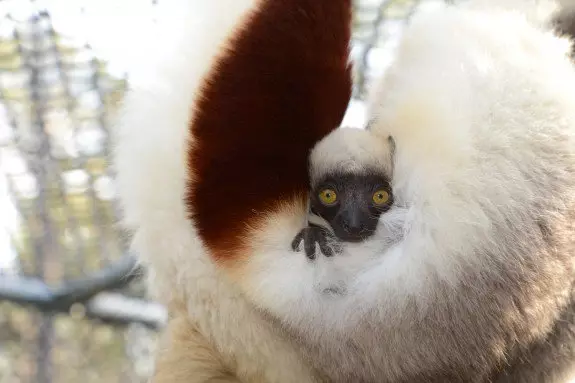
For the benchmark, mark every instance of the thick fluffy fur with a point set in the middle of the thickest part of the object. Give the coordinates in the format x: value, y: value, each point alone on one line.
x: 350, y: 150
x: 480, y: 102
x: 283, y: 84
x: 214, y: 333
x: 240, y: 93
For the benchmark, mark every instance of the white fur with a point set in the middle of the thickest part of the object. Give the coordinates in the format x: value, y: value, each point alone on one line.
x: 454, y: 98
x: 537, y: 12
x: 480, y: 102
x: 468, y: 85
x: 150, y: 159
x: 349, y: 150
x: 510, y: 86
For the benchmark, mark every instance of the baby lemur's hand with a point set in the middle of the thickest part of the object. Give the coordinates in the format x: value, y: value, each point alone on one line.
x: 315, y: 234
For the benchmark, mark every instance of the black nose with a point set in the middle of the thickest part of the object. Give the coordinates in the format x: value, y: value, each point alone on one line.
x: 352, y: 223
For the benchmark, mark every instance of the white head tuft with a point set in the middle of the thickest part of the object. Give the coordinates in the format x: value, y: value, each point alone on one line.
x: 350, y: 150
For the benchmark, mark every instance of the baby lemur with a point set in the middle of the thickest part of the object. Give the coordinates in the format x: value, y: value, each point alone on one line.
x: 350, y: 189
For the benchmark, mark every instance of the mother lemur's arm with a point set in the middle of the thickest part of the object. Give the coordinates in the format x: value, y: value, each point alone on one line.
x: 283, y: 83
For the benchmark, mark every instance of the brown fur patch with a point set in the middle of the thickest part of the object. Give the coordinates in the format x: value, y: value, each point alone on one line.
x: 283, y: 84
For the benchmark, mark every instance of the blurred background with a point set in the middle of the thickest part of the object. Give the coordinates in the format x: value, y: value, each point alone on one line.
x: 71, y: 306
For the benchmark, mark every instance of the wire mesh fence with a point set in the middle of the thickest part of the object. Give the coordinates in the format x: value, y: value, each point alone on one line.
x: 67, y: 310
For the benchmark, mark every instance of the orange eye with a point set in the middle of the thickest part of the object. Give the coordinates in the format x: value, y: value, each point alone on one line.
x: 380, y: 197
x: 327, y: 197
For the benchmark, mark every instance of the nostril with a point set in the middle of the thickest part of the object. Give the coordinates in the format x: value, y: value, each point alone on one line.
x: 352, y: 227
x: 352, y: 222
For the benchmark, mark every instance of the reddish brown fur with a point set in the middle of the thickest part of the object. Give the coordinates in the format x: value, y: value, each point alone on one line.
x: 283, y: 85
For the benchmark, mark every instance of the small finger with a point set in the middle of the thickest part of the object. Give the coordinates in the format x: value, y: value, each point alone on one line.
x: 323, y: 245
x: 309, y: 245
x: 296, y: 243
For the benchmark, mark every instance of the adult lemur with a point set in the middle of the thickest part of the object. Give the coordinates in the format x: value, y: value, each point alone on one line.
x: 212, y: 157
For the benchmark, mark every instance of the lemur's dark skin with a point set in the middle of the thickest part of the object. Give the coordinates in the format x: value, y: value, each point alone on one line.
x: 311, y: 235
x: 353, y: 217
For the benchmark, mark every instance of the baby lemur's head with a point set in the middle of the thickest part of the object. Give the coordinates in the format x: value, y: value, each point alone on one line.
x: 351, y: 172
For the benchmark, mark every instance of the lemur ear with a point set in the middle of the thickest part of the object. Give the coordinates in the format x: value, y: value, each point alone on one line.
x: 282, y: 84
x: 564, y: 24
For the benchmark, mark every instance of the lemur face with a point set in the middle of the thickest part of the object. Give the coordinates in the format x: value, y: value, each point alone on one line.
x: 352, y: 203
